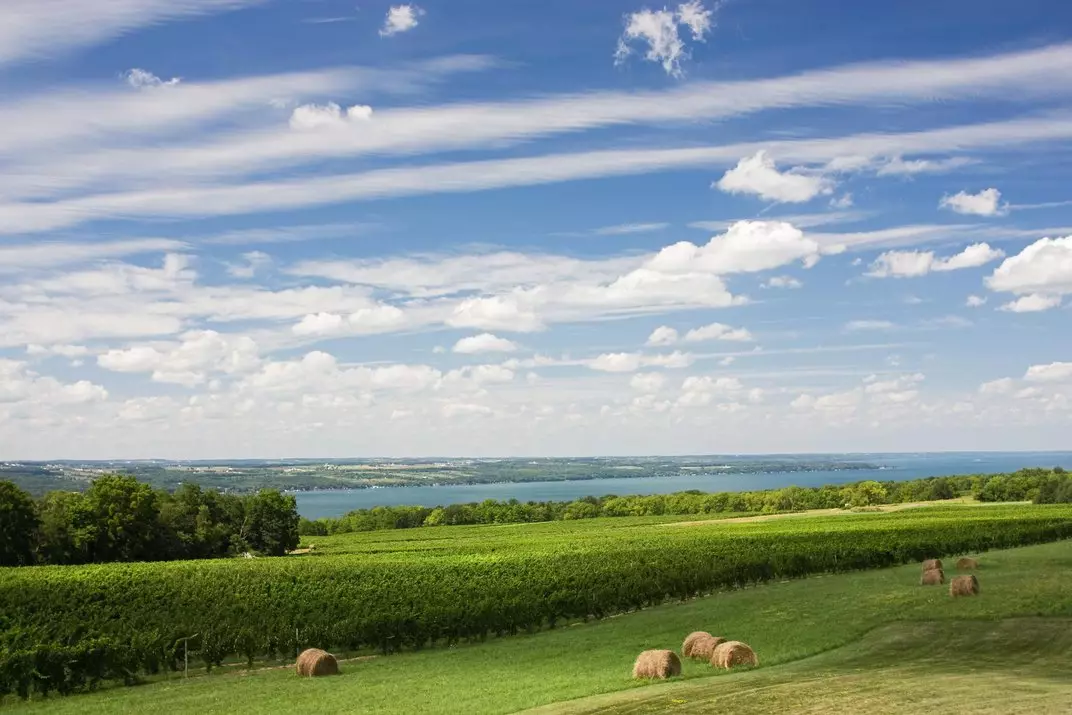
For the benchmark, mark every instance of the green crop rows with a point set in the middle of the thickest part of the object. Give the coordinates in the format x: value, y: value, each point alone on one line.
x: 67, y: 628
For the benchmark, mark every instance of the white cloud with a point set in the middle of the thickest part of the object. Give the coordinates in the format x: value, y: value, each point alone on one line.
x: 1041, y: 272
x: 758, y: 175
x: 857, y: 325
x: 985, y: 203
x: 663, y: 335
x: 897, y: 166
x: 38, y: 29
x: 68, y: 351
x: 1032, y: 303
x: 48, y: 254
x: 782, y: 282
x: 658, y: 29
x: 142, y: 79
x: 1001, y: 386
x: 484, y: 343
x: 631, y: 362
x: 367, y: 320
x: 975, y: 301
x: 318, y: 116
x: 718, y: 331
x: 629, y: 228
x: 400, y: 18
x: 904, y: 264
x: 746, y: 247
x: 701, y: 391
x: 647, y: 381
x: 842, y: 202
x: 255, y: 261
x: 1053, y: 372
x: 198, y: 354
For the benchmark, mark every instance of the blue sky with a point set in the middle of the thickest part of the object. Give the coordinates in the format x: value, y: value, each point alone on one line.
x: 263, y: 228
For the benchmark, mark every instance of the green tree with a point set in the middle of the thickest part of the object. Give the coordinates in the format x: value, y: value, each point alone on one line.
x: 120, y: 521
x: 271, y: 523
x: 18, y: 526
x: 865, y: 494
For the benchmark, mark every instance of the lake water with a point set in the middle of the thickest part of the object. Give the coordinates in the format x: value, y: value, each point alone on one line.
x: 320, y: 504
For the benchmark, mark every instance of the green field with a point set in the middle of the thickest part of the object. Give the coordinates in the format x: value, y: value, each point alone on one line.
x: 870, y: 640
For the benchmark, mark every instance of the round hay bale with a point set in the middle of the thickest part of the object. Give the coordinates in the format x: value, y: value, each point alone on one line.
x: 700, y: 645
x: 967, y: 564
x: 657, y: 664
x: 964, y: 586
x: 932, y: 564
x: 313, y: 663
x: 933, y: 577
x: 690, y: 640
x: 731, y: 653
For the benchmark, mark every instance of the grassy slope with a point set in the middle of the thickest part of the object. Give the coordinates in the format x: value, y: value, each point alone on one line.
x: 783, y: 621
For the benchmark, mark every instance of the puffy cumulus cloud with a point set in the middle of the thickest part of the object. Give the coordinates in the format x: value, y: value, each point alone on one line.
x: 21, y: 386
x: 1053, y: 372
x: 759, y: 176
x: 399, y: 19
x: 782, y: 282
x: 984, y: 203
x: 374, y: 319
x: 484, y: 343
x: 718, y: 331
x: 189, y: 362
x: 975, y: 301
x: 648, y: 381
x: 1041, y: 272
x: 308, y: 117
x: 318, y: 372
x: 658, y: 31
x: 631, y: 362
x: 143, y: 79
x: 1033, y: 303
x: 1001, y: 386
x: 515, y: 312
x: 254, y: 262
x: 746, y: 247
x: 663, y: 335
x: 897, y: 390
x: 478, y: 375
x: 701, y: 391
x: 908, y: 264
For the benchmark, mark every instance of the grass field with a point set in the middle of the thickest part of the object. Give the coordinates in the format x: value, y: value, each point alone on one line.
x: 871, y: 640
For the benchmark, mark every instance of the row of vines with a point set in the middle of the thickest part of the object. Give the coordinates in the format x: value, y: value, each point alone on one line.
x: 64, y: 629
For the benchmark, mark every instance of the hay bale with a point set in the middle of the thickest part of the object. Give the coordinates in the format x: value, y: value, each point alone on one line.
x: 657, y: 664
x: 700, y: 645
x: 933, y: 577
x: 964, y: 586
x: 313, y: 663
x: 731, y: 653
x: 967, y: 564
x: 930, y: 564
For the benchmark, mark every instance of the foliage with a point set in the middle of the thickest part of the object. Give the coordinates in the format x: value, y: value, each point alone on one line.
x: 18, y: 526
x: 395, y: 590
x: 121, y: 519
x: 1020, y: 486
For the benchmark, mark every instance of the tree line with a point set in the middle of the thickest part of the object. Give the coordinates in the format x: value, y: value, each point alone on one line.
x: 1042, y: 486
x: 121, y: 519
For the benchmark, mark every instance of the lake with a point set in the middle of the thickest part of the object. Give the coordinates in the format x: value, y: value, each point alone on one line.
x: 332, y: 503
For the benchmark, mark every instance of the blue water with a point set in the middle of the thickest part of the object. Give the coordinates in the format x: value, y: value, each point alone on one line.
x: 320, y: 504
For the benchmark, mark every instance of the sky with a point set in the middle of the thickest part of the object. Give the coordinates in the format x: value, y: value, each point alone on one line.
x: 309, y: 228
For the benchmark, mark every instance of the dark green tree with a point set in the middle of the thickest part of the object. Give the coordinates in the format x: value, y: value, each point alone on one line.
x: 18, y: 526
x: 120, y: 521
x: 271, y: 526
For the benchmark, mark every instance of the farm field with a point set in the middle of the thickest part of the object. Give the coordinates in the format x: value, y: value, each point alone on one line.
x: 877, y: 620
x: 871, y: 638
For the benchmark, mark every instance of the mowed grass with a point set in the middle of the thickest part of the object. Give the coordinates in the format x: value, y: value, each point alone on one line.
x: 898, y: 635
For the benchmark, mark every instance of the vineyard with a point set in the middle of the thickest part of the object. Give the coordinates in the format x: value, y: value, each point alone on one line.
x: 68, y: 628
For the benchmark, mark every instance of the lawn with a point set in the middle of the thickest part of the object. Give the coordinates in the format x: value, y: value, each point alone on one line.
x: 893, y: 639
